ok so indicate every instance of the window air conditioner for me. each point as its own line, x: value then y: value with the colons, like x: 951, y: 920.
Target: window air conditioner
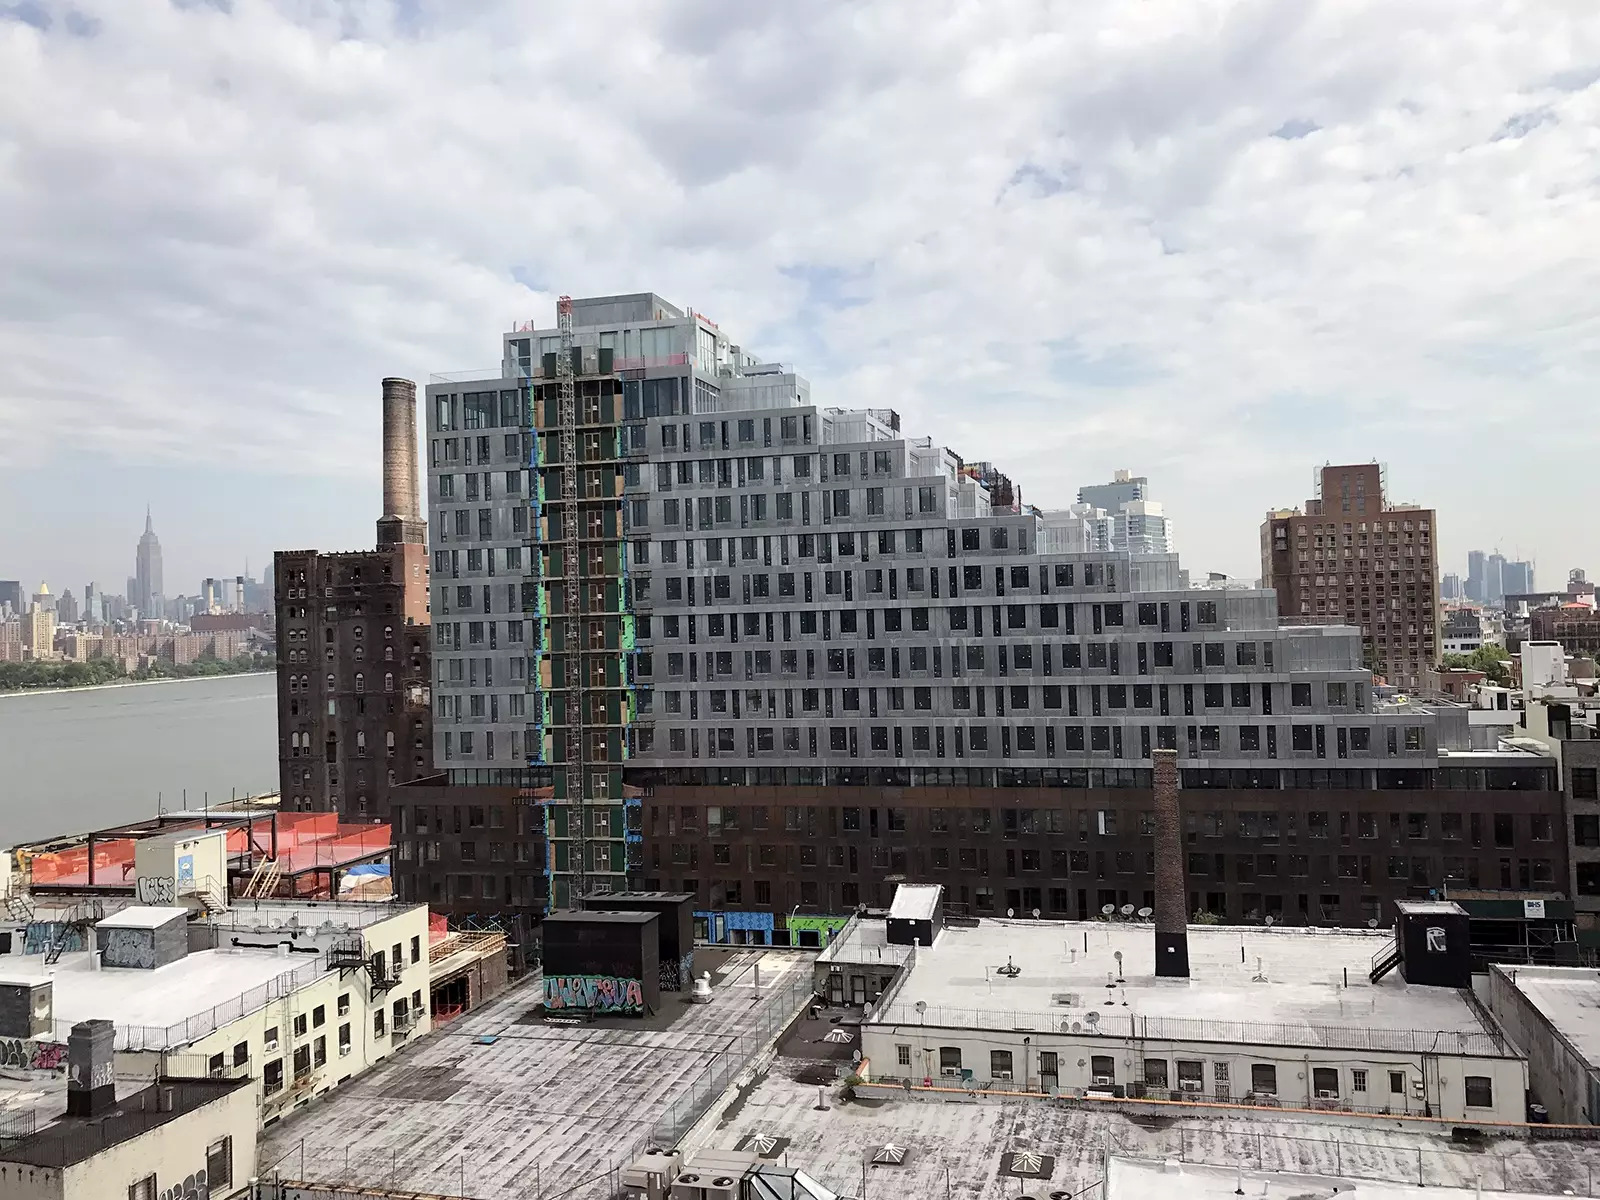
x: 1101, y: 1080
x: 1002, y: 1074
x: 343, y: 1050
x: 1327, y: 1094
x: 1189, y: 1085
x: 953, y: 1072
x: 269, y: 1047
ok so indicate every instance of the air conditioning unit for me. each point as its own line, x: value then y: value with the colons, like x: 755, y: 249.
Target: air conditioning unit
x: 1327, y: 1094
x: 269, y: 1047
x: 952, y: 1072
x: 1101, y: 1081
x: 1190, y: 1085
x: 1002, y: 1074
x: 343, y: 1050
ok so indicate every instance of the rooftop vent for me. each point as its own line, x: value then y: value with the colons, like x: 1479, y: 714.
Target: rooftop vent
x: 889, y: 1155
x: 1027, y: 1164
x: 764, y: 1145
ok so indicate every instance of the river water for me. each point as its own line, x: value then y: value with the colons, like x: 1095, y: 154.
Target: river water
x: 87, y: 758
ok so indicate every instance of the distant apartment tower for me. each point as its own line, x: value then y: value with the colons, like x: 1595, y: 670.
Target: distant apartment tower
x: 1450, y: 587
x: 1494, y: 582
x: 11, y: 595
x: 1353, y: 557
x: 1119, y: 515
x: 354, y: 657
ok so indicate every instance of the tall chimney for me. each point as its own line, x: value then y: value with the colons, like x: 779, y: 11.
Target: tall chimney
x: 402, y: 517
x: 1172, y: 920
x: 91, y: 1083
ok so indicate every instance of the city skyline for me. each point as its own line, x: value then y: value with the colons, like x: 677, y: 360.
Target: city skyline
x: 1172, y: 288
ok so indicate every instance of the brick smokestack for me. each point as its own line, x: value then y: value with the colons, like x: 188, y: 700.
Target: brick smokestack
x: 1172, y: 919
x: 402, y: 516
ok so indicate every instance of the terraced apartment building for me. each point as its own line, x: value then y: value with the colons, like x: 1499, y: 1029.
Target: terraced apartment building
x: 822, y: 660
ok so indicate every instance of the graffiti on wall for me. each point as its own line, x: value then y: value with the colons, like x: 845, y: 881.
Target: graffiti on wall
x: 40, y: 935
x: 194, y: 1187
x: 128, y: 947
x: 677, y: 975
x: 32, y: 1056
x: 597, y: 993
x: 157, y: 891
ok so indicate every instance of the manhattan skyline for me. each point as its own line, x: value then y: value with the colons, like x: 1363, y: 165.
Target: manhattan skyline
x: 1226, y: 254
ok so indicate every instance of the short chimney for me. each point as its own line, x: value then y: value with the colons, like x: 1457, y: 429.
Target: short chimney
x: 1172, y: 919
x: 91, y: 1082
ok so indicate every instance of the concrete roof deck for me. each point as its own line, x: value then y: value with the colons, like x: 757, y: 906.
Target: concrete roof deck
x: 1145, y: 1179
x: 1289, y: 984
x: 496, y: 1104
x: 1567, y: 997
x: 167, y: 1006
x: 959, y: 1145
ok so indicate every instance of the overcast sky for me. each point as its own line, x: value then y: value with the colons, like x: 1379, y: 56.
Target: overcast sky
x: 1215, y: 243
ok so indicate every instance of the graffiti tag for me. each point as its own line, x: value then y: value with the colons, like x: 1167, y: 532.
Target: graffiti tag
x: 156, y: 891
x: 31, y: 1056
x: 597, y: 993
x: 100, y: 1075
x: 194, y: 1187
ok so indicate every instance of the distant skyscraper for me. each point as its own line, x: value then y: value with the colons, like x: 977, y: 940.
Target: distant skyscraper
x: 11, y: 593
x: 67, y: 608
x: 1130, y: 520
x: 1475, y: 573
x: 1494, y: 585
x: 1450, y: 586
x: 1517, y: 578
x: 147, y: 572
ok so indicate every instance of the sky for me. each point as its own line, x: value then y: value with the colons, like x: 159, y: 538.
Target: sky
x: 1214, y: 243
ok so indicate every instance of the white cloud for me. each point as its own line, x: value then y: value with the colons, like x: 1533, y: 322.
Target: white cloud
x: 1217, y: 243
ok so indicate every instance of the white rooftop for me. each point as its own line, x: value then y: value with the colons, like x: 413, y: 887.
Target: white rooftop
x: 142, y: 917
x: 1292, y: 986
x: 1142, y: 1179
x: 915, y: 902
x: 1567, y: 997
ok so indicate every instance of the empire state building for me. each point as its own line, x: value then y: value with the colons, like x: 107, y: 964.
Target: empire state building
x: 147, y: 572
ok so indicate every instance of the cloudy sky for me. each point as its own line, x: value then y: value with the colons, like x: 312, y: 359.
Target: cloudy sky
x: 1216, y: 243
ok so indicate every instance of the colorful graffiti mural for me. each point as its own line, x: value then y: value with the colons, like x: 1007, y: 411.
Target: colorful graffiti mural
x: 594, y: 993
x: 32, y: 1056
x: 823, y: 927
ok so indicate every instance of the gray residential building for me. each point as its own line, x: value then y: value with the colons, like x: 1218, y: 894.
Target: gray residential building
x: 828, y: 649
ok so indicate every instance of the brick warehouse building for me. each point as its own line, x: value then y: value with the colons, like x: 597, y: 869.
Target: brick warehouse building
x: 353, y: 650
x: 839, y: 651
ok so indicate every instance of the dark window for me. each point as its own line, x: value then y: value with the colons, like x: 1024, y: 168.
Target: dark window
x: 1480, y: 1091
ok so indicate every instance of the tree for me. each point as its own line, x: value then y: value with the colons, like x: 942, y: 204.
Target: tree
x: 1486, y: 659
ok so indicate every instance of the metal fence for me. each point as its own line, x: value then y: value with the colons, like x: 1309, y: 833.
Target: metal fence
x: 192, y: 1029
x: 1113, y: 1024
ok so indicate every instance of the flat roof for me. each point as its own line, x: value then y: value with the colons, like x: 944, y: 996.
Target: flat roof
x: 163, y: 998
x: 1567, y: 997
x: 591, y: 917
x: 915, y: 902
x: 959, y: 1144
x: 142, y: 917
x: 520, y: 1103
x: 68, y: 1140
x: 1292, y: 986
x: 1145, y: 1179
x: 1434, y: 907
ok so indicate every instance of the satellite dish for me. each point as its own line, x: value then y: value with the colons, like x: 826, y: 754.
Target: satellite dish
x: 1146, y: 913
x: 1118, y: 956
x: 1036, y: 914
x: 1092, y: 1019
x: 1269, y: 922
x: 1372, y: 922
x: 1127, y: 910
x: 1107, y: 909
x: 1011, y: 912
x: 922, y: 1007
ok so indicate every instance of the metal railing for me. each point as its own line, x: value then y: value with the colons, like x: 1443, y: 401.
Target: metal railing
x: 1114, y: 1026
